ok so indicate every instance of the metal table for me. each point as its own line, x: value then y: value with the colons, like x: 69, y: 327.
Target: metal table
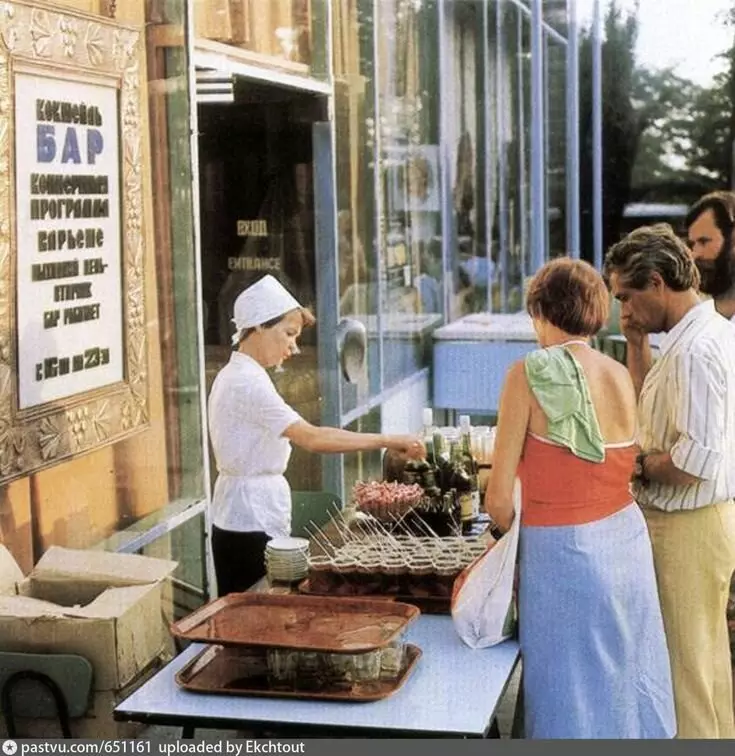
x: 454, y: 691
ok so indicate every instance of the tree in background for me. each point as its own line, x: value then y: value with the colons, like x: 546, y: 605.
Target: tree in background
x: 665, y: 139
x: 686, y: 149
x: 680, y: 152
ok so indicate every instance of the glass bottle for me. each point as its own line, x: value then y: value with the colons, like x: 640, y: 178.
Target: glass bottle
x: 462, y: 482
x: 469, y: 463
x: 428, y: 434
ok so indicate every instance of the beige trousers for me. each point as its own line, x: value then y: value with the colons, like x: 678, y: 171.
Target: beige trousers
x: 694, y: 557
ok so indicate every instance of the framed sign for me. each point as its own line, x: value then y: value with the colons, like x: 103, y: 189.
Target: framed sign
x: 73, y: 350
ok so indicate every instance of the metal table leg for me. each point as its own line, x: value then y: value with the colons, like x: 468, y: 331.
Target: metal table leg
x: 187, y: 731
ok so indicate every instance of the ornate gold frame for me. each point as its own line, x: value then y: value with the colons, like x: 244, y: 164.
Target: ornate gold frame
x: 81, y: 46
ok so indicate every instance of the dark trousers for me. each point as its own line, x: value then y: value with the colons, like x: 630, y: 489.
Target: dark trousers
x: 239, y: 559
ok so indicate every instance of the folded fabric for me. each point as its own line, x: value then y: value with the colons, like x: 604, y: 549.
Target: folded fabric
x: 560, y: 387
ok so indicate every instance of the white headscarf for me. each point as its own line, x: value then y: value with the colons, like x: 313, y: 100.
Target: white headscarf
x: 264, y: 300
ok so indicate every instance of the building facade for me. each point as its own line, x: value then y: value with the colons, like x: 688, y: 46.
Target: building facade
x: 396, y: 163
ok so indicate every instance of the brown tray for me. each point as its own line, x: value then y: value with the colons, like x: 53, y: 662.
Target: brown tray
x: 313, y: 623
x: 425, y: 604
x: 219, y: 669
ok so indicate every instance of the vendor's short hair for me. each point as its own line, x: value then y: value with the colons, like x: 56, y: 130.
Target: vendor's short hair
x: 569, y: 294
x: 649, y: 250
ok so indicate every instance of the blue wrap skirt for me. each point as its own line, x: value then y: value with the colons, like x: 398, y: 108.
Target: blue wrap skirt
x: 595, y: 660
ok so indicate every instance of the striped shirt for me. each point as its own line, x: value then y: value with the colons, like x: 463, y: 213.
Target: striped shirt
x: 687, y: 408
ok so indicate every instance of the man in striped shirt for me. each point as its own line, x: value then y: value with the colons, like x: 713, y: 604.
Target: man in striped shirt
x: 685, y: 481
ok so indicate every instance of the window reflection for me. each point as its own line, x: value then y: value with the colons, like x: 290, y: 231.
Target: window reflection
x: 368, y: 465
x: 516, y: 145
x: 410, y: 217
x: 174, y: 258
x: 556, y: 145
x: 471, y: 269
x: 355, y: 143
x: 494, y: 201
x: 556, y: 15
x: 187, y: 588
x: 279, y: 29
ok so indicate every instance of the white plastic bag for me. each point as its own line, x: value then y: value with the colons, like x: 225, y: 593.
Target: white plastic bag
x: 483, y: 607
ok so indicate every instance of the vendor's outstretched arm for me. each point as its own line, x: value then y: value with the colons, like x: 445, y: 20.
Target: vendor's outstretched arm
x: 325, y: 439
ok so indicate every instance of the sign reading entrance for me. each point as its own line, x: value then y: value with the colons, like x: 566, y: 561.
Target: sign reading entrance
x: 69, y: 268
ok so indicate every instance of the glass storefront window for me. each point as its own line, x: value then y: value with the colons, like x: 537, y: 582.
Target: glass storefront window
x: 516, y: 145
x: 556, y: 15
x: 368, y: 465
x: 409, y: 204
x: 354, y: 123
x: 556, y: 145
x: 494, y: 115
x: 465, y: 95
x: 175, y: 261
x: 287, y: 34
x: 186, y: 590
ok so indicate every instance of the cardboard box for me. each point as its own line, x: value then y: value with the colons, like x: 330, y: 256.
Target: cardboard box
x: 103, y: 606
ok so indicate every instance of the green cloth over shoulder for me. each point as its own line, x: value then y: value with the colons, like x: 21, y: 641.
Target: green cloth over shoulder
x: 560, y: 387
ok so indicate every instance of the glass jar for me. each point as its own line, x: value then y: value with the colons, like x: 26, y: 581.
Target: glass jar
x: 391, y: 660
x: 282, y: 667
x: 367, y: 666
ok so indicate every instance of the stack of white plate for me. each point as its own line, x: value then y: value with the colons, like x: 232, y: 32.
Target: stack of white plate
x: 287, y: 559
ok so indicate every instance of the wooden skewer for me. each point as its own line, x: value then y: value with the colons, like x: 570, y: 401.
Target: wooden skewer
x: 319, y: 536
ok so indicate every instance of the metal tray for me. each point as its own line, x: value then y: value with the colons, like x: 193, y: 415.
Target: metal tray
x: 223, y: 670
x: 426, y: 604
x: 313, y: 623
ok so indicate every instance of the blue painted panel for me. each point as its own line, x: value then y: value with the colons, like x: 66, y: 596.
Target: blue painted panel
x: 469, y: 375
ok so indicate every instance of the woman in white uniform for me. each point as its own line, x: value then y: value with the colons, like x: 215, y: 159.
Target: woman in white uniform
x: 251, y: 429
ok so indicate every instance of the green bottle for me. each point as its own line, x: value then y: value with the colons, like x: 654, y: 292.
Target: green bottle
x: 469, y: 463
x: 462, y: 482
x: 428, y: 435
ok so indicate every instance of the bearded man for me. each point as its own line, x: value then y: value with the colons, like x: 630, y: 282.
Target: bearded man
x: 710, y: 223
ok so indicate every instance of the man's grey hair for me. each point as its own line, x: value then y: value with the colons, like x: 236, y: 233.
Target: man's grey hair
x: 648, y: 250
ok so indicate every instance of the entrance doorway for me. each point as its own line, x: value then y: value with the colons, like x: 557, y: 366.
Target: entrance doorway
x: 257, y: 217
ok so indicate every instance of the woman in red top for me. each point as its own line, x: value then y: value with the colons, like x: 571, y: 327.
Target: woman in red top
x: 594, y: 653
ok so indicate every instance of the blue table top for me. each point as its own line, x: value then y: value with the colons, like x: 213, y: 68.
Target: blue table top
x: 452, y: 690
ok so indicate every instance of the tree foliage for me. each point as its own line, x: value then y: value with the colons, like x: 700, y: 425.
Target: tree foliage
x: 664, y: 138
x: 685, y: 150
